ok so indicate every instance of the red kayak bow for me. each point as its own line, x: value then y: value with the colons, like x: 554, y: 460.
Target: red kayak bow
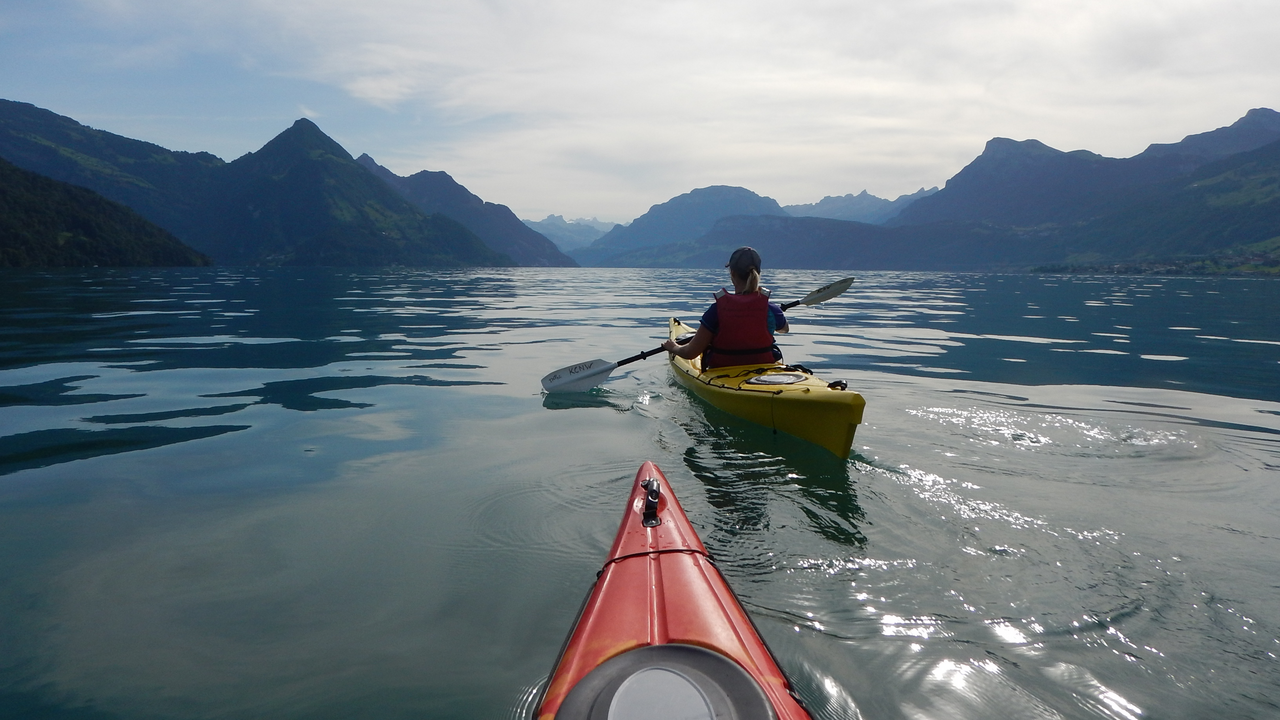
x: 661, y: 634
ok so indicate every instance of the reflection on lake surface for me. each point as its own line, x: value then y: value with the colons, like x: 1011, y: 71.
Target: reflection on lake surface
x: 313, y: 493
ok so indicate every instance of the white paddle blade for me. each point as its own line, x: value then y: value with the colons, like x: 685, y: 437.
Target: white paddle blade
x: 826, y: 292
x: 578, y: 378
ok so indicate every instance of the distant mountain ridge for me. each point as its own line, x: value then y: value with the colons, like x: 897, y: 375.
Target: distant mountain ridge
x: 863, y: 207
x: 1258, y: 127
x: 689, y: 216
x: 48, y: 223
x: 1024, y: 204
x: 302, y: 199
x: 570, y: 234
x: 681, y: 218
x: 1028, y: 183
x: 499, y: 228
x: 823, y: 243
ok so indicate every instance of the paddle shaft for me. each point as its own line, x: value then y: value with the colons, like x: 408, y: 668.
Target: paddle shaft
x: 655, y: 351
x: 641, y: 356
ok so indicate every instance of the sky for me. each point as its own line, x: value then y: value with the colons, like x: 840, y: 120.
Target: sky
x: 603, y: 108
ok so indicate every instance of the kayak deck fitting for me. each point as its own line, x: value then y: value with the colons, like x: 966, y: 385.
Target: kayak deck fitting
x: 788, y: 398
x: 662, y: 635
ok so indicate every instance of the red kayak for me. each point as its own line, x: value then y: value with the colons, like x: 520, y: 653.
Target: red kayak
x: 661, y: 634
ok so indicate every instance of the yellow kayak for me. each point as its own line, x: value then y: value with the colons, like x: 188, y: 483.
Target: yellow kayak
x: 785, y: 398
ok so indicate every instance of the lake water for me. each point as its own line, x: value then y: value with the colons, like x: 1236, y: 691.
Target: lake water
x: 336, y: 494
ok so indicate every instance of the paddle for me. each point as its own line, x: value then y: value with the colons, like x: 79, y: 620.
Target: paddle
x: 583, y: 376
x: 822, y: 294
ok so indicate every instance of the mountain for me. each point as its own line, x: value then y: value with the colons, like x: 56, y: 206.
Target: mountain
x: 1208, y: 202
x: 1232, y: 202
x: 162, y: 185
x: 570, y: 234
x: 681, y: 218
x: 1023, y: 204
x: 303, y: 200
x: 1258, y: 127
x: 1028, y: 183
x: 47, y: 223
x: 496, y: 225
x: 863, y: 207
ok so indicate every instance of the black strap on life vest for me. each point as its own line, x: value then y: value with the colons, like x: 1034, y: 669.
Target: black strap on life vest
x: 748, y: 351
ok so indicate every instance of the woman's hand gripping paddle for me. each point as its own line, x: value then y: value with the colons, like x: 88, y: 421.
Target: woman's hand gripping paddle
x: 581, y: 377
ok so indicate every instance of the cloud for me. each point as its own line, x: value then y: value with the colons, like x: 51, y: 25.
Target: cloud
x: 551, y: 105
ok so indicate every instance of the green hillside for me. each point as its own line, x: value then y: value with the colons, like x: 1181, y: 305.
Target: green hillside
x: 162, y: 185
x: 46, y: 223
x: 1221, y: 208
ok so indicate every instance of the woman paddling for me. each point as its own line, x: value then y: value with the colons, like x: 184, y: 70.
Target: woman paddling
x: 738, y: 329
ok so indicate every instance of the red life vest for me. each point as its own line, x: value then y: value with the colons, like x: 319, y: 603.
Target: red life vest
x: 743, y: 337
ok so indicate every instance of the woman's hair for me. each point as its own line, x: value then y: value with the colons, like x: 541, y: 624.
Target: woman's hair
x: 752, y: 281
x: 744, y: 264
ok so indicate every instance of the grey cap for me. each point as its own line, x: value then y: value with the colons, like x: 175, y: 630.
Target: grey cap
x: 743, y: 261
